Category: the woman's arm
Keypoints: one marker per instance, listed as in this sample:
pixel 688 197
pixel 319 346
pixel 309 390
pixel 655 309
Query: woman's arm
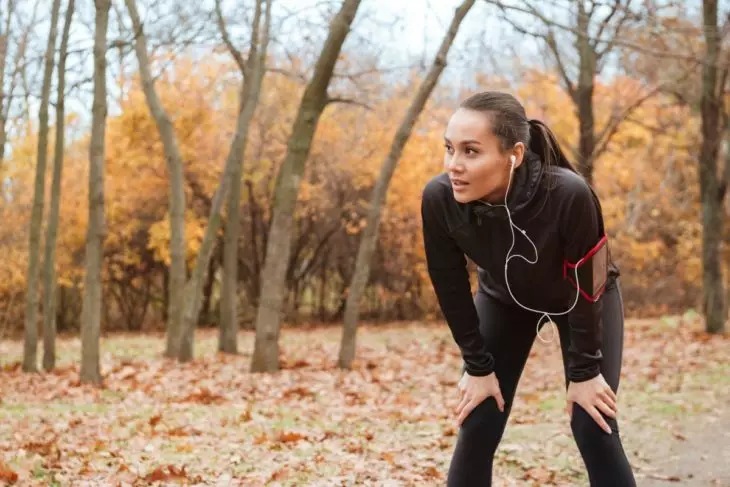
pixel 581 225
pixel 447 269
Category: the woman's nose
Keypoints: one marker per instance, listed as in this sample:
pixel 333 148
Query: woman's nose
pixel 453 164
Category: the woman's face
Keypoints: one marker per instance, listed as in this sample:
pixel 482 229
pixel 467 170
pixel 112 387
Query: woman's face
pixel 476 165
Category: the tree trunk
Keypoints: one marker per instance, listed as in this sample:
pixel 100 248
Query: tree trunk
pixel 247 106
pixel 228 327
pixel 49 286
pixel 39 191
pixel 584 96
pixel 369 238
pixel 4 38
pixel 91 307
pixel 205 310
pixel 314 100
pixel 713 287
pixel 175 168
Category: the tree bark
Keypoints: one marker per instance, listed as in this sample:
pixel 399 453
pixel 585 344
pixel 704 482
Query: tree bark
pixel 4 39
pixel 49 286
pixel 175 169
pixel 91 307
pixel 228 328
pixel 369 237
pixel 584 96
pixel 39 191
pixel 249 97
pixel 313 102
pixel 713 287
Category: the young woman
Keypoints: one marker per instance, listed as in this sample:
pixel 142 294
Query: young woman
pixel 511 202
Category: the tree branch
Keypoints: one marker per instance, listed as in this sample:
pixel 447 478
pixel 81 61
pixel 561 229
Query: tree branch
pixel 347 101
pixel 605 136
pixel 616 31
pixel 227 40
pixel 617 42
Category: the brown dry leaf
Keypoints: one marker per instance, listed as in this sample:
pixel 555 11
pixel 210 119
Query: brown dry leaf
pixel 290 437
pixel 354 448
pixel 169 473
pixel 298 391
pixel 204 396
pixel 6 474
pixel 297 364
pixel 246 416
pixel 449 431
pixel 183 431
pixel 432 473
pixel 154 420
pixel 279 474
pixel 540 474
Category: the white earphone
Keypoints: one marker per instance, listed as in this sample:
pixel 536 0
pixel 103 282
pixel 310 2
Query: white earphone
pixel 543 314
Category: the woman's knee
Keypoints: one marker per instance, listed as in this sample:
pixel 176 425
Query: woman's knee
pixel 485 424
pixel 586 431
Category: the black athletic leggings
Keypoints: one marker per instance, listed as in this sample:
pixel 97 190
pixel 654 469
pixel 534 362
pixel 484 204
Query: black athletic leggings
pixel 509 332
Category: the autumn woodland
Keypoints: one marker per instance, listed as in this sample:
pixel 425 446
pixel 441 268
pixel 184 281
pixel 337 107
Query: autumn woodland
pixel 212 262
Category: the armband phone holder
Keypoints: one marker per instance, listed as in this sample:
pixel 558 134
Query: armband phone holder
pixel 592 271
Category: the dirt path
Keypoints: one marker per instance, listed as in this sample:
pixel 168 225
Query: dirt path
pixel 697 455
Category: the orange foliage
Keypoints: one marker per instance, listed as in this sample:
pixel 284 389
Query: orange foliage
pixel 646 179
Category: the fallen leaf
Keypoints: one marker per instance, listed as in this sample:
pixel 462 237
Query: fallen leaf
pixel 6 474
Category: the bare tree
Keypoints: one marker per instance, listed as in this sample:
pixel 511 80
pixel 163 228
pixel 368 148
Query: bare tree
pixel 227 340
pixel 175 168
pixel 710 184
pixel 4 101
pixel 254 69
pixel 313 103
pixel 91 307
pixel 39 191
pixel 368 239
pixel 49 286
pixel 596 30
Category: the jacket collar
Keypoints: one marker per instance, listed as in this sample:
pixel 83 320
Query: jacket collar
pixel 525 184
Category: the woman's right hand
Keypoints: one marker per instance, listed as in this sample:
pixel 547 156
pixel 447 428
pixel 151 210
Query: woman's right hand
pixel 475 390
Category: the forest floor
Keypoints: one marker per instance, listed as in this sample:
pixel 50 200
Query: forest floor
pixel 387 422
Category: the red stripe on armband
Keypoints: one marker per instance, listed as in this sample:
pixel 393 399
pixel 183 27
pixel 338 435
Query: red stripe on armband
pixel 592 270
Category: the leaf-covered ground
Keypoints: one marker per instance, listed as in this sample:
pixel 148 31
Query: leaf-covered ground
pixel 387 422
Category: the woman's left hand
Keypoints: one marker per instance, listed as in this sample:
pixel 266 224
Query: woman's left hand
pixel 595 396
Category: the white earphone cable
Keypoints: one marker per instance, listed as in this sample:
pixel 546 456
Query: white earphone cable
pixel 543 314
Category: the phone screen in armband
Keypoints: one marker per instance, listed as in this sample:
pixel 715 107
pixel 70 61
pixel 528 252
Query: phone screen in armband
pixel 592 271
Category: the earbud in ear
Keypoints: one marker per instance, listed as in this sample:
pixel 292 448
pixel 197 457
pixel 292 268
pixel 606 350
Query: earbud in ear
pixel 512 160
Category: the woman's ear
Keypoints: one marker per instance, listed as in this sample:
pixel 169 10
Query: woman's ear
pixel 518 151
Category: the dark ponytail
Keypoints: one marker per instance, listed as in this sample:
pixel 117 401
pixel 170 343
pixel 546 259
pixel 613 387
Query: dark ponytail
pixel 544 143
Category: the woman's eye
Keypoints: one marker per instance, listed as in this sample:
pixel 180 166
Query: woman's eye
pixel 449 149
pixel 470 151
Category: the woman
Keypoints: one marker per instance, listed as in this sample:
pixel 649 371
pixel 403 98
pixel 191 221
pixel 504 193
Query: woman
pixel 511 202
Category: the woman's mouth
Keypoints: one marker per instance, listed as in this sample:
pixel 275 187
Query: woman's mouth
pixel 459 185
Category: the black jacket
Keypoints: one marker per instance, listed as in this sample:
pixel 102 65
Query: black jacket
pixel 560 213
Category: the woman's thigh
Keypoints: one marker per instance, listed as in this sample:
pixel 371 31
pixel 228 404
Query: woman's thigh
pixel 612 339
pixel 509 333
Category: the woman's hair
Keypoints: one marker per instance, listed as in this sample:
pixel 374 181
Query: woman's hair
pixel 511 125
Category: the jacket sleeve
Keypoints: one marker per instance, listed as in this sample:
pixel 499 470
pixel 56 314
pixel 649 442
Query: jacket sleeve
pixel 581 225
pixel 447 269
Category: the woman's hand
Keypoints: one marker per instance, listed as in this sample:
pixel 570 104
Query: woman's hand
pixel 475 390
pixel 593 395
